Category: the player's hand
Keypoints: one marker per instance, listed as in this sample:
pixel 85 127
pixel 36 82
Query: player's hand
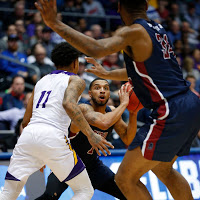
pixel 42 169
pixel 100 143
pixel 124 93
pixel 48 11
pixel 96 69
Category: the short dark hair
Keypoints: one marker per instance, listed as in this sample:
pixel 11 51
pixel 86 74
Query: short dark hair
pixel 190 76
pixel 132 5
pixel 64 54
pixel 96 79
pixel 16 76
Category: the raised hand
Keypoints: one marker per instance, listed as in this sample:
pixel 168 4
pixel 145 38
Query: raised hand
pixel 96 69
pixel 124 93
pixel 48 11
pixel 98 142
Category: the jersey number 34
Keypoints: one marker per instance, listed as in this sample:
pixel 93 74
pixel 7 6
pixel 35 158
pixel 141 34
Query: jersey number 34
pixel 166 47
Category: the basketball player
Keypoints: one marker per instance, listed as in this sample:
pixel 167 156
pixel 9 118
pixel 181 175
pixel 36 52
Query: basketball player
pixel 102 121
pixel 159 85
pixel 44 139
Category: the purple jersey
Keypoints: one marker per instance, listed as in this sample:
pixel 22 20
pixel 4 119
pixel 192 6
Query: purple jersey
pixel 159 78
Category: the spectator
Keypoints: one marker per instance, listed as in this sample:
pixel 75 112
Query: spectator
pixel 11 30
pixel 153 14
pixel 196 58
pixel 11 68
pixel 192 80
pixel 46 41
pixel 188 68
pixel 31 59
pixel 69 6
pixel 82 25
pixel 190 34
pixel 111 62
pixel 18 14
pixel 40 54
pixel 13 115
pixel 89 33
pixel 37 37
pixel 16 95
pixel 197 87
pixel 79 6
pixel 96 31
pixel 174 33
pixel 92 7
pixel 192 17
pixel 162 10
pixel 175 13
pixel 37 20
pixel 23 43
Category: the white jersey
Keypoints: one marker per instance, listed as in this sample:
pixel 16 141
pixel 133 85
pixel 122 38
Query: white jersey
pixel 48 99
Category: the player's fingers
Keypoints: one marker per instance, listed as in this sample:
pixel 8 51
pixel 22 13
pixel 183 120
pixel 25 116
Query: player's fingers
pixel 91 70
pixel 38 6
pixel 102 150
pixel 42 2
pixel 106 148
pixel 90 60
pixel 97 150
pixel 108 144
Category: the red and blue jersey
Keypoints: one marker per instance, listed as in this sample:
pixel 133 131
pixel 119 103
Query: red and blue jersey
pixel 159 78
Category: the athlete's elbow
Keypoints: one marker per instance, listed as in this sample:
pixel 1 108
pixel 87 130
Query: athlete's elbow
pixel 67 106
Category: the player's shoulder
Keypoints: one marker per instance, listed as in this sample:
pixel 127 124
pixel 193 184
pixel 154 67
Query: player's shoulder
pixel 75 78
pixel 86 107
pixel 132 32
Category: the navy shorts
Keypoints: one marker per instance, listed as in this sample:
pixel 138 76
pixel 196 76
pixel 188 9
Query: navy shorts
pixel 162 139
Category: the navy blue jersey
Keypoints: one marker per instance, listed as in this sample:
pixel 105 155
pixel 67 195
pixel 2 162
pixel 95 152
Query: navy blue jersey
pixel 160 77
pixel 82 146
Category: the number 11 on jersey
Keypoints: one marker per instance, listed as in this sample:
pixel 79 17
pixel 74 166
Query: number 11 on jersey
pixel 41 97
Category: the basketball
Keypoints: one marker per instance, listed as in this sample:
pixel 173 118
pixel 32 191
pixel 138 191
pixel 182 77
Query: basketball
pixel 134 103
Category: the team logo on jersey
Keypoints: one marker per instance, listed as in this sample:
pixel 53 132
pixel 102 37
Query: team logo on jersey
pixel 103 134
pixel 150 146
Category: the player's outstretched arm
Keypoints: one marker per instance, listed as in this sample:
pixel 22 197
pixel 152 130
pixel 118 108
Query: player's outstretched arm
pixel 72 93
pixel 98 70
pixel 85 44
pixel 28 113
pixel 105 121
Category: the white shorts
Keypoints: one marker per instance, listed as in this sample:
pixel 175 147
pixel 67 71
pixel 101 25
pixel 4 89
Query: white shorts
pixel 39 145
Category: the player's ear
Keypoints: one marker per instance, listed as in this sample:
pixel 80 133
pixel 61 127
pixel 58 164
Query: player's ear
pixel 147 5
pixel 118 7
pixel 89 92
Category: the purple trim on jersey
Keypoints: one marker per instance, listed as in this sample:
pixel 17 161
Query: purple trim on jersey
pixel 78 168
pixel 62 71
pixel 10 177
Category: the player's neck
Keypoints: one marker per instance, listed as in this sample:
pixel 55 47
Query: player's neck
pixel 98 108
pixel 129 19
pixel 66 69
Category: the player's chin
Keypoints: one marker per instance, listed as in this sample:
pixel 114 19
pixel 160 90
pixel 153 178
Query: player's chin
pixel 102 103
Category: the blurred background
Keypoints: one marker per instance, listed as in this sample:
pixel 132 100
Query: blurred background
pixel 26 45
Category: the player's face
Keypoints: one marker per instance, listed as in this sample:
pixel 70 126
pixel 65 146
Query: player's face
pixel 100 92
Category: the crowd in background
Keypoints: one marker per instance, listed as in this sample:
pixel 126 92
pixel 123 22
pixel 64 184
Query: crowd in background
pixel 25 38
